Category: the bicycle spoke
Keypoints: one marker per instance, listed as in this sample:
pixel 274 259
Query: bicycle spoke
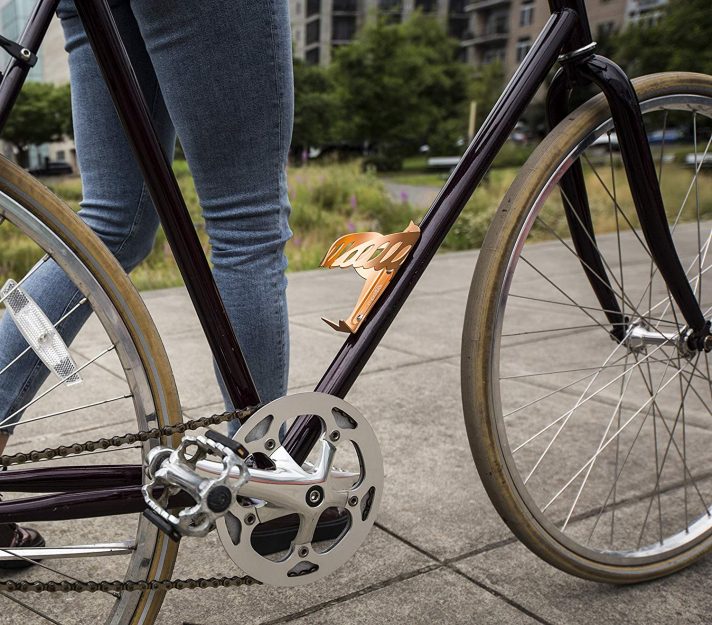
pixel 616 410
pixel 27 606
pixel 605 445
pixel 581 401
pixel 74 409
pixel 54 386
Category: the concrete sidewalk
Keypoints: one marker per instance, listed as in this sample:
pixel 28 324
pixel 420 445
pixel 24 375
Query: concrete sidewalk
pixel 439 552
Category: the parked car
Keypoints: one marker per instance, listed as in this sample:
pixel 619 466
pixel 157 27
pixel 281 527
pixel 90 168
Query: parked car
pixel 56 168
pixel 669 135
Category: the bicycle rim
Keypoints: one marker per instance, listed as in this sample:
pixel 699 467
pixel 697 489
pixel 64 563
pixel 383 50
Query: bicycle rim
pixel 592 451
pixel 126 385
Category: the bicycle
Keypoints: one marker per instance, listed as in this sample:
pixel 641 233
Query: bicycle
pixel 640 396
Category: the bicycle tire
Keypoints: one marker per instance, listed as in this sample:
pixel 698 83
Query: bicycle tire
pixel 36 212
pixel 510 482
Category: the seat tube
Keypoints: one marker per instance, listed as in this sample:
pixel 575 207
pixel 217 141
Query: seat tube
pixel 643 181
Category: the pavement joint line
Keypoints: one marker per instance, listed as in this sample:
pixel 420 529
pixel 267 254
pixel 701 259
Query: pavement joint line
pixel 502 597
pixel 448 564
pixel 353 595
pixel 480 550
pixel 366 374
pixel 413 297
pixel 598 398
pixel 329 332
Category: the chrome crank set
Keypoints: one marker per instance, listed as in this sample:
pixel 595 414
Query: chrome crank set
pixel 308 492
pixel 250 488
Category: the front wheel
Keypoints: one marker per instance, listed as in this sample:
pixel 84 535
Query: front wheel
pixel 596 452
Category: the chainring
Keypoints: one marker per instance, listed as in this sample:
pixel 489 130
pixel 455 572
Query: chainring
pixel 304 492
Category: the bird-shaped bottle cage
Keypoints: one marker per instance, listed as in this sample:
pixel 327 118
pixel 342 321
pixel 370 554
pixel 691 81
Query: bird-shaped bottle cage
pixel 376 258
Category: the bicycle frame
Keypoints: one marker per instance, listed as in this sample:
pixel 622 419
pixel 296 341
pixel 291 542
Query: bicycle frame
pixel 565 37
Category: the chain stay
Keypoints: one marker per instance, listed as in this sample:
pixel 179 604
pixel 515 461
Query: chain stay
pixel 119 441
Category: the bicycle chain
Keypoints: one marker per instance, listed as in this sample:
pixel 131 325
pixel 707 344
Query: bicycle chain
pixel 119 441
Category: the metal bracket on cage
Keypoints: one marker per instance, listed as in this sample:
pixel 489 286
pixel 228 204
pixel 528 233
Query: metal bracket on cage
pixel 376 258
pixel 18 52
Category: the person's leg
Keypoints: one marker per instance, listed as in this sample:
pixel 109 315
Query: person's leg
pixel 115 203
pixel 226 74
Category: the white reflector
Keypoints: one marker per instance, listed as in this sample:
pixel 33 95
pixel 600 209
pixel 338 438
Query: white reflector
pixel 39 332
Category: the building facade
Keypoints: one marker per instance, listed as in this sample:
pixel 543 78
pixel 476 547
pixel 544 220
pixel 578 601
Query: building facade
pixel 488 30
pixel 320 26
pixel 504 30
pixel 52 66
pixel 644 12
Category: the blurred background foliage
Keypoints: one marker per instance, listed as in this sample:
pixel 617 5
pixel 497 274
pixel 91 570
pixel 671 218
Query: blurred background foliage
pixel 366 124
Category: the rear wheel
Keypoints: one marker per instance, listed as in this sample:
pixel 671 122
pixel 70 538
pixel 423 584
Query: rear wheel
pixel 126 385
pixel 596 452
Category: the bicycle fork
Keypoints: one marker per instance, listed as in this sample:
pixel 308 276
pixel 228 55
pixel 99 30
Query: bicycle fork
pixel 640 171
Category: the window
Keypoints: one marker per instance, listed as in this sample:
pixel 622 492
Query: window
pixel 497 24
pixel 493 54
pixel 344 6
pixel 457 27
pixel 605 29
pixel 526 16
pixel 313 7
pixel 390 6
pixel 427 6
pixel 298 8
pixel 298 35
pixel 313 29
pixel 343 27
pixel 312 57
pixel 523 46
pixel 457 6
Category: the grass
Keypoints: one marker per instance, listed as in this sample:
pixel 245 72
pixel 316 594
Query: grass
pixel 331 200
pixel 327 202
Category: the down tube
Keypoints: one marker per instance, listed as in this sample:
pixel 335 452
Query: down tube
pixel 473 165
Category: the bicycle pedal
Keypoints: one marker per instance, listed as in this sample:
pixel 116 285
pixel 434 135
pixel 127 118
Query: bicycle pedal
pixel 162 525
pixel 174 471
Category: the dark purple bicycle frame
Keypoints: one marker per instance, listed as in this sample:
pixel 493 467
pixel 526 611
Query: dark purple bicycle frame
pixel 117 490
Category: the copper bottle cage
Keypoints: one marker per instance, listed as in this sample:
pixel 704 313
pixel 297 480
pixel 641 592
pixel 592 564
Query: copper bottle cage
pixel 376 258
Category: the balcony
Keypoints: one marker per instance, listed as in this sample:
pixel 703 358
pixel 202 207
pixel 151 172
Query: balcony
pixel 345 7
pixel 479 5
pixel 489 36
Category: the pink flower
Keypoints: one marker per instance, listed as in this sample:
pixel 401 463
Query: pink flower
pixel 404 196
pixel 353 201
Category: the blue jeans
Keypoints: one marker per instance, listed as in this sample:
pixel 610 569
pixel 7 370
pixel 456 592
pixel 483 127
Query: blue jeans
pixel 219 74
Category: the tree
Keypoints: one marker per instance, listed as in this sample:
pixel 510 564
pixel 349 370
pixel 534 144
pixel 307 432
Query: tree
pixel 679 41
pixel 400 84
pixel 486 88
pixel 42 113
pixel 315 106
